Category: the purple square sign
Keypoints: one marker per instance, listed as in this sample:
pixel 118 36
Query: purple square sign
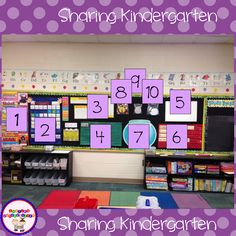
pixel 136 76
pixel 180 101
pixel 45 130
pixel 121 91
pixel 97 106
pixel 100 136
pixel 17 119
pixel 152 91
pixel 177 137
pixel 138 136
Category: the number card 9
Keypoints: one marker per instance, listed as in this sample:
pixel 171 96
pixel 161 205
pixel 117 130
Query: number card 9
pixel 180 101
pixel 98 106
pixel 100 136
pixel 45 130
pixel 177 137
pixel 121 91
pixel 17 119
pixel 152 91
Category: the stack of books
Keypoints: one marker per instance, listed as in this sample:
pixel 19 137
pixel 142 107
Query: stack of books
pixel 184 184
pixel 227 167
pixel 156 169
pixel 213 185
pixel 155 181
pixel 213 169
pixel 179 167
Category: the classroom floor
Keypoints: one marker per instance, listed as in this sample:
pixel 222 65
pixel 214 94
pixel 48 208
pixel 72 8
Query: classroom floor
pixel 36 194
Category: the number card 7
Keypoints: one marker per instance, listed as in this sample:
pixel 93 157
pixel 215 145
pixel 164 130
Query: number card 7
pixel 17 119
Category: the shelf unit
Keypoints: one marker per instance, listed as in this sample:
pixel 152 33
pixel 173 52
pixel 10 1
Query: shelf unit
pixel 8 166
pixel 162 160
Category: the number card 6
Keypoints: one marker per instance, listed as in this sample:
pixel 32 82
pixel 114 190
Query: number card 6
pixel 45 130
pixel 177 137
pixel 17 119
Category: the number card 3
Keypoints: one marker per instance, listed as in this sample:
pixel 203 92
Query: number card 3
pixel 152 91
pixel 100 136
pixel 180 101
pixel 138 136
pixel 121 91
pixel 177 137
pixel 98 106
pixel 136 76
pixel 45 130
pixel 17 119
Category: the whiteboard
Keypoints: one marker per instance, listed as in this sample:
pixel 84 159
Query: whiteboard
pixel 192 117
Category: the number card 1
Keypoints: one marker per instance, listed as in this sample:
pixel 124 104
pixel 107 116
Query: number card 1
pixel 100 136
pixel 180 101
pixel 177 136
pixel 138 136
pixel 121 91
pixel 45 130
pixel 152 91
pixel 136 76
pixel 17 119
pixel 97 106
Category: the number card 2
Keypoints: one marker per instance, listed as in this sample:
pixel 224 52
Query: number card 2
pixel 138 136
pixel 121 91
pixel 100 136
pixel 152 91
pixel 97 106
pixel 136 76
pixel 45 130
pixel 17 119
pixel 180 101
pixel 177 137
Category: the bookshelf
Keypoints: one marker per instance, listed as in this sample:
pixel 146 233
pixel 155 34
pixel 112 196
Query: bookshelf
pixel 192 173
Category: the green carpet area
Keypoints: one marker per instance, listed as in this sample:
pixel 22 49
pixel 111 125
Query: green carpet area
pixel 124 198
pixel 36 194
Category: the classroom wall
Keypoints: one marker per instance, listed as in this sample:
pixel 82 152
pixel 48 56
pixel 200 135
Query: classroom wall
pixel 115 57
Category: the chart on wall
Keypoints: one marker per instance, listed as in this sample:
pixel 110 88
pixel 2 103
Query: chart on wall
pixel 99 82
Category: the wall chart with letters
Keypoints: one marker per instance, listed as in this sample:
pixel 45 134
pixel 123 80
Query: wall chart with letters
pixel 130 110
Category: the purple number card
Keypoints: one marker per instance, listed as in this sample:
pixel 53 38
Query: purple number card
pixel 136 76
pixel 17 119
pixel 121 91
pixel 180 101
pixel 138 136
pixel 100 136
pixel 45 130
pixel 152 91
pixel 177 137
pixel 97 106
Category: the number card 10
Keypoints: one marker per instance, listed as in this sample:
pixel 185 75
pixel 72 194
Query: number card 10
pixel 17 119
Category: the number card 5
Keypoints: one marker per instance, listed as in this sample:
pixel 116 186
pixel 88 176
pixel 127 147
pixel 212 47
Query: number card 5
pixel 121 91
pixel 17 119
pixel 138 136
pixel 98 106
pixel 45 130
pixel 152 91
pixel 177 137
pixel 180 101
pixel 100 136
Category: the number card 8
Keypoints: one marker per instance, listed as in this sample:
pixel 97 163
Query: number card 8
pixel 121 91
pixel 17 119
pixel 45 130
pixel 177 137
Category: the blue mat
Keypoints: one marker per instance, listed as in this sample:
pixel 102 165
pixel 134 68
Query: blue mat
pixel 165 200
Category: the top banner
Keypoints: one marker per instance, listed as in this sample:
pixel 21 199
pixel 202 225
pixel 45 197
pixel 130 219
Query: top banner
pixel 118 17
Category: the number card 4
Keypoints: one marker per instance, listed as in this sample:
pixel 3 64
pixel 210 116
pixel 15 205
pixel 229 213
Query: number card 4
pixel 45 130
pixel 180 101
pixel 100 136
pixel 138 136
pixel 177 136
pixel 121 91
pixel 152 91
pixel 17 119
pixel 98 106
pixel 136 76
